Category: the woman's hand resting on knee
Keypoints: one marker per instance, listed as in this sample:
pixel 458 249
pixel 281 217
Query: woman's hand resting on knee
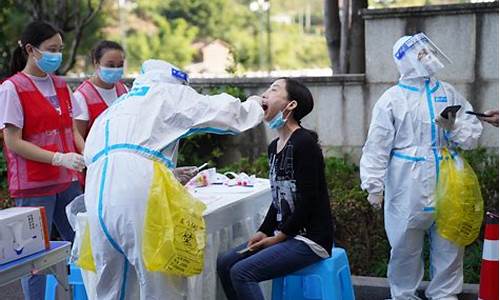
pixel 261 240
pixel 257 237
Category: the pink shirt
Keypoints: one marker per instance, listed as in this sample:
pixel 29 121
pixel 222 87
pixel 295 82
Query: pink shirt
pixel 11 110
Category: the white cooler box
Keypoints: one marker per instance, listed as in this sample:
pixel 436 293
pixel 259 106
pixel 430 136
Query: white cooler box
pixel 23 231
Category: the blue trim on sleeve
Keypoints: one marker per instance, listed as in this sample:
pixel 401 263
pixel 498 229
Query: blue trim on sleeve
pixel 208 130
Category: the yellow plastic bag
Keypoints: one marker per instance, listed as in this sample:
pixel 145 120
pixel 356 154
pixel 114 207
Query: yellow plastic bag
pixel 459 204
pixel 85 257
pixel 174 228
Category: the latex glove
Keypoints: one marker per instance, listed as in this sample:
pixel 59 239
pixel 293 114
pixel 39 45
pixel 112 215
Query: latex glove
pixel 376 200
pixel 184 174
pixel 255 98
pixel 73 161
pixel 447 124
pixel 492 117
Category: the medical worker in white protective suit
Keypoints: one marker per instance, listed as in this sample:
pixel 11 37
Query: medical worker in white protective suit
pixel 139 128
pixel 400 165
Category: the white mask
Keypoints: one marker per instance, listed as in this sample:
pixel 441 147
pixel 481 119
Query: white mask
pixel 431 63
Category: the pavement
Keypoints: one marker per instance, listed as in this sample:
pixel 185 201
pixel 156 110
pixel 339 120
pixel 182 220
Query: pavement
pixel 375 288
pixel 365 288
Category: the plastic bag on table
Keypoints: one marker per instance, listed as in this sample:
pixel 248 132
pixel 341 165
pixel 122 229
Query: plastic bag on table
pixel 174 228
pixel 241 179
pixel 204 178
pixel 459 204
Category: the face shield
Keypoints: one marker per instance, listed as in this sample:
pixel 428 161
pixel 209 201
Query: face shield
pixel 422 55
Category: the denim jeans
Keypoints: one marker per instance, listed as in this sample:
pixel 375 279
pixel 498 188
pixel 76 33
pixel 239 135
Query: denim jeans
pixel 55 209
pixel 240 274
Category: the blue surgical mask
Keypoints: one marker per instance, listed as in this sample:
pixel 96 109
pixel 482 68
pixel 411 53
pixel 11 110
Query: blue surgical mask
pixel 277 122
pixel 49 62
pixel 110 75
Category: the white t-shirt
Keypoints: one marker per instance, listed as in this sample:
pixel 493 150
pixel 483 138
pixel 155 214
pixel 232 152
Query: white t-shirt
pixel 11 110
pixel 108 95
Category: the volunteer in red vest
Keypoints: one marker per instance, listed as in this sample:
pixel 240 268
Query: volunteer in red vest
pixel 42 144
pixel 100 91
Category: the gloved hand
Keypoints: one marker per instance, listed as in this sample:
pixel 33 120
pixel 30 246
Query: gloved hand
pixel 73 161
pixel 376 200
pixel 184 174
pixel 447 124
pixel 258 99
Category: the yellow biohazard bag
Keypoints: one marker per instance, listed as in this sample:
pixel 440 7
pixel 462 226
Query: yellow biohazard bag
pixel 85 258
pixel 459 204
pixel 174 228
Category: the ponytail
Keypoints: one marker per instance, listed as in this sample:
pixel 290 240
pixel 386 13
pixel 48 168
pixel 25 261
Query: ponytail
pixel 18 60
pixel 34 34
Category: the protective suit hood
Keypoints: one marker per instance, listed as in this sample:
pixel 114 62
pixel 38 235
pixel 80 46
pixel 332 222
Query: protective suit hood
pixel 159 71
pixel 406 70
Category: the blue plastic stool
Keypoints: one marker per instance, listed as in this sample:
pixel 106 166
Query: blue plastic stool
pixel 329 279
pixel 75 282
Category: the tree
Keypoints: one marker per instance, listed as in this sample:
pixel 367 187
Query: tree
pixel 357 38
pixel 345 40
pixel 170 41
pixel 332 33
pixel 11 21
pixel 72 17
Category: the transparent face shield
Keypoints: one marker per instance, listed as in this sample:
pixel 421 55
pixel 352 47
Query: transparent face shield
pixel 423 55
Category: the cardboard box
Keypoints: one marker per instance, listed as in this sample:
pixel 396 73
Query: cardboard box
pixel 23 231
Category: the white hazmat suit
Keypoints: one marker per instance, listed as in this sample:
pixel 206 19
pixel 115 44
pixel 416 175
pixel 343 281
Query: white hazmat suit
pixel 401 159
pixel 139 128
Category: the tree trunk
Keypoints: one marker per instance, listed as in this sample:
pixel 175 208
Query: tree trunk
pixel 357 38
pixel 332 33
pixel 344 37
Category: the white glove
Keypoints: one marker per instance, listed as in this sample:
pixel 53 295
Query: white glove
pixel 376 200
pixel 73 161
pixel 255 98
pixel 447 124
pixel 184 174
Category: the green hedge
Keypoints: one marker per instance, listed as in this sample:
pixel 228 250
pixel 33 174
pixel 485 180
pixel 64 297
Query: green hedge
pixel 360 228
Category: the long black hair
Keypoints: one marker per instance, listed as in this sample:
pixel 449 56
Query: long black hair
pixel 101 47
pixel 297 91
pixel 35 33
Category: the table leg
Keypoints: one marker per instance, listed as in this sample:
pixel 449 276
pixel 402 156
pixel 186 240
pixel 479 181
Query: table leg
pixel 63 291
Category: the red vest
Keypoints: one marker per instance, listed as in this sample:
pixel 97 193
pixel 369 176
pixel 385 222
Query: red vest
pixel 45 127
pixel 95 103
